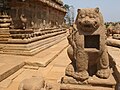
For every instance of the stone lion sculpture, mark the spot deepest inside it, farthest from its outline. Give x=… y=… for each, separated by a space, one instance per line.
x=87 y=49
x=34 y=83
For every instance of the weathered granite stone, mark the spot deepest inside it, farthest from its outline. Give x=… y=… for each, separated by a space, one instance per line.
x=113 y=42
x=32 y=14
x=87 y=50
x=93 y=83
x=110 y=29
x=116 y=36
x=34 y=83
x=116 y=29
x=113 y=30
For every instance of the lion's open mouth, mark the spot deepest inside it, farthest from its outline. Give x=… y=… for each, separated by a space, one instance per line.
x=87 y=26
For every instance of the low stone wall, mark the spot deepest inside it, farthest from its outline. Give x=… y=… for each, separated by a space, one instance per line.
x=115 y=58
x=113 y=42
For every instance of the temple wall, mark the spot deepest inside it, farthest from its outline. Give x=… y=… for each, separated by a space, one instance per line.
x=35 y=11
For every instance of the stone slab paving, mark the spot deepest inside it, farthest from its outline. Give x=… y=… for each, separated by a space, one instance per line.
x=58 y=69
x=52 y=72
x=45 y=57
x=9 y=65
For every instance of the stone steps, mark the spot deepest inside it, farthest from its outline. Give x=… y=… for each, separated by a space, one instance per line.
x=30 y=48
x=27 y=33
x=25 y=42
x=93 y=83
x=16 y=62
x=8 y=69
x=5 y=36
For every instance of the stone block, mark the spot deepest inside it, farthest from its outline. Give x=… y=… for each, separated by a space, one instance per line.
x=93 y=83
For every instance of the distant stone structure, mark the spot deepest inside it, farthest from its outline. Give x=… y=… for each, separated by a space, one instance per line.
x=113 y=34
x=113 y=30
x=110 y=29
x=87 y=51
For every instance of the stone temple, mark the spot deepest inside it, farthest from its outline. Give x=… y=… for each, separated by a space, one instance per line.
x=38 y=51
x=29 y=26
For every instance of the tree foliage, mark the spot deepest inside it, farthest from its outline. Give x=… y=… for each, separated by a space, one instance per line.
x=70 y=14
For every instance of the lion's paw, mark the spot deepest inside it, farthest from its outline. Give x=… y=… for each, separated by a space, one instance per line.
x=83 y=75
x=103 y=73
x=70 y=70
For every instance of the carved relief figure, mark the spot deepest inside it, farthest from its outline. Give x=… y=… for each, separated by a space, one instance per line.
x=87 y=49
x=23 y=20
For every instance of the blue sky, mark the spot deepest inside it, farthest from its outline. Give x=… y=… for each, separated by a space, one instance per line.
x=109 y=8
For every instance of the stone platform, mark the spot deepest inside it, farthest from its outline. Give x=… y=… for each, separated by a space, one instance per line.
x=93 y=83
x=12 y=63
x=30 y=43
x=83 y=87
x=52 y=72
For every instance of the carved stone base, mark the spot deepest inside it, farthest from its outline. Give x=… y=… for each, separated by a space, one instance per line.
x=71 y=80
x=29 y=49
x=93 y=83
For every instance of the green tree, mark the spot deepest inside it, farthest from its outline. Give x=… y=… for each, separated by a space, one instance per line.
x=69 y=17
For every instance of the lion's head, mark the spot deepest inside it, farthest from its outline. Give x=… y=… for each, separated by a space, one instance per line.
x=89 y=19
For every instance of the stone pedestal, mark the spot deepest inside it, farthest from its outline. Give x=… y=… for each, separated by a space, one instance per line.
x=90 y=64
x=93 y=83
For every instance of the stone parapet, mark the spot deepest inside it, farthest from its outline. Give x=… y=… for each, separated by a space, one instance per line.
x=115 y=56
x=54 y=5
